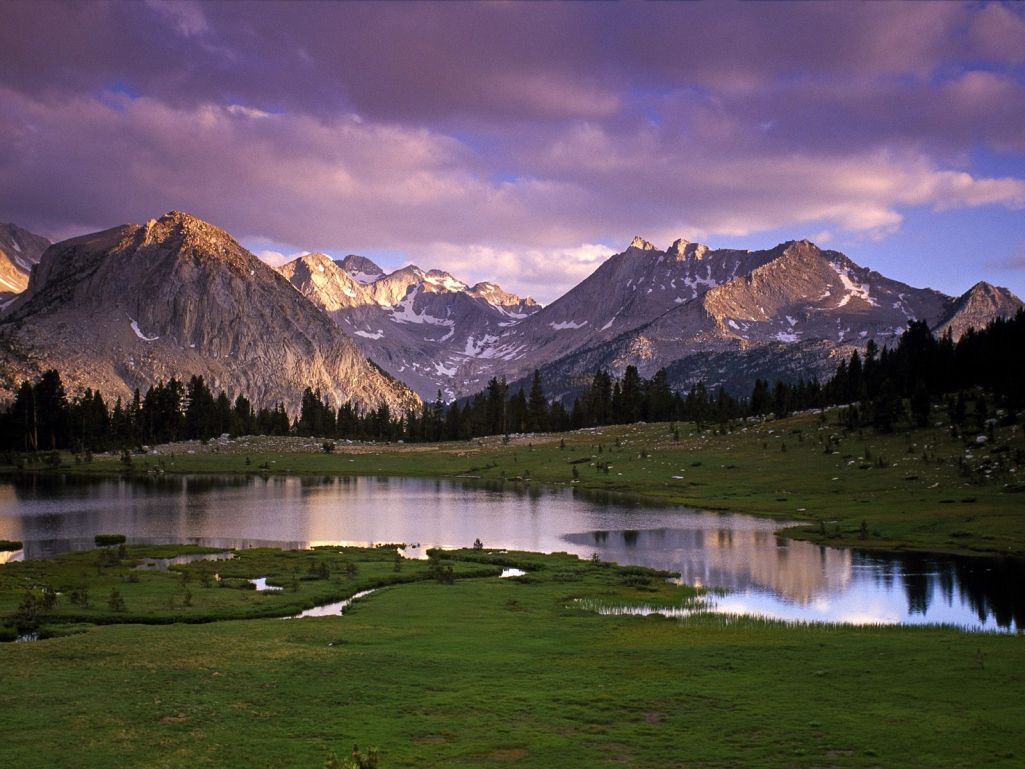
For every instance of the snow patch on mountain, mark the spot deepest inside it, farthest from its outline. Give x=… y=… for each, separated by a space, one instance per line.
x=562 y=326
x=852 y=288
x=612 y=320
x=140 y=334
x=404 y=312
x=443 y=280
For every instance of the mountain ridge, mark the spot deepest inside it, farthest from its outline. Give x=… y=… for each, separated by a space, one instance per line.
x=136 y=304
x=696 y=311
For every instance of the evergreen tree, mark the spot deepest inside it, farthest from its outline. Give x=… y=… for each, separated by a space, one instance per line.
x=537 y=406
x=760 y=400
x=631 y=397
x=51 y=411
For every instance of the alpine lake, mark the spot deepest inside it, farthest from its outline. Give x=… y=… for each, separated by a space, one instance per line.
x=747 y=569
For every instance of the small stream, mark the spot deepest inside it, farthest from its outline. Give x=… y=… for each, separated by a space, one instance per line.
x=334 y=609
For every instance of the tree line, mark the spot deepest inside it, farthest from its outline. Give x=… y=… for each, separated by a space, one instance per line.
x=882 y=388
x=890 y=387
x=43 y=418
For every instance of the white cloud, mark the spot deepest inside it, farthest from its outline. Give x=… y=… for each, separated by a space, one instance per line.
x=277 y=258
x=544 y=274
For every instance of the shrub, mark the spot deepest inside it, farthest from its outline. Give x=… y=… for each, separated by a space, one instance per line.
x=115 y=602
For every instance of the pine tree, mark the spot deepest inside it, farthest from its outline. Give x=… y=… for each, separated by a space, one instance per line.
x=537 y=406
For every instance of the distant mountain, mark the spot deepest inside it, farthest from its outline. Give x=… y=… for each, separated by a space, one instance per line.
x=976 y=307
x=360 y=268
x=19 y=253
x=787 y=312
x=797 y=292
x=133 y=305
x=426 y=328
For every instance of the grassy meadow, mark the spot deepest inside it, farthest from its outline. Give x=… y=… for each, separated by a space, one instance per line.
x=488 y=672
x=445 y=664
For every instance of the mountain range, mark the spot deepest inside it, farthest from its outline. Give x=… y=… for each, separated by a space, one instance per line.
x=129 y=306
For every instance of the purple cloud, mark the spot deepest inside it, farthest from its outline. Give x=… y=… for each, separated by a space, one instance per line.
x=515 y=142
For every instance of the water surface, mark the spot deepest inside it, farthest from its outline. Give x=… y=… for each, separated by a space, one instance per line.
x=765 y=575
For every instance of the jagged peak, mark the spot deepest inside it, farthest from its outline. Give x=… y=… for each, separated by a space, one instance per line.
x=684 y=249
x=800 y=245
x=440 y=279
x=187 y=228
x=178 y=217
x=355 y=261
x=984 y=291
x=409 y=269
x=804 y=250
x=640 y=243
x=495 y=294
x=183 y=220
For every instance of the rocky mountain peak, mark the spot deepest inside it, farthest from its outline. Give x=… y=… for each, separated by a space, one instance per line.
x=496 y=295
x=323 y=281
x=982 y=287
x=683 y=249
x=976 y=307
x=133 y=305
x=310 y=264
x=189 y=237
x=640 y=243
x=439 y=280
x=183 y=225
x=800 y=248
x=361 y=268
x=317 y=259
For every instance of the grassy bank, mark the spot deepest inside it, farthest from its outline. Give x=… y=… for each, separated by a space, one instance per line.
x=198 y=591
x=924 y=490
x=488 y=672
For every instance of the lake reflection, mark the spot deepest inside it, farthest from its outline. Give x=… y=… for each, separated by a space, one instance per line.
x=766 y=575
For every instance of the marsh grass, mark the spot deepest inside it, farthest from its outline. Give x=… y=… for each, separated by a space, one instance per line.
x=202 y=591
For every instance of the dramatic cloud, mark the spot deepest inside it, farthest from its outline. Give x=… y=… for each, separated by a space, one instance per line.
x=516 y=142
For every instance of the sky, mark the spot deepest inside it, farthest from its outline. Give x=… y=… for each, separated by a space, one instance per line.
x=524 y=143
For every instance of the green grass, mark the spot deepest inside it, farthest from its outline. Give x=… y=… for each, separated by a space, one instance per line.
x=206 y=591
x=917 y=491
x=490 y=672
